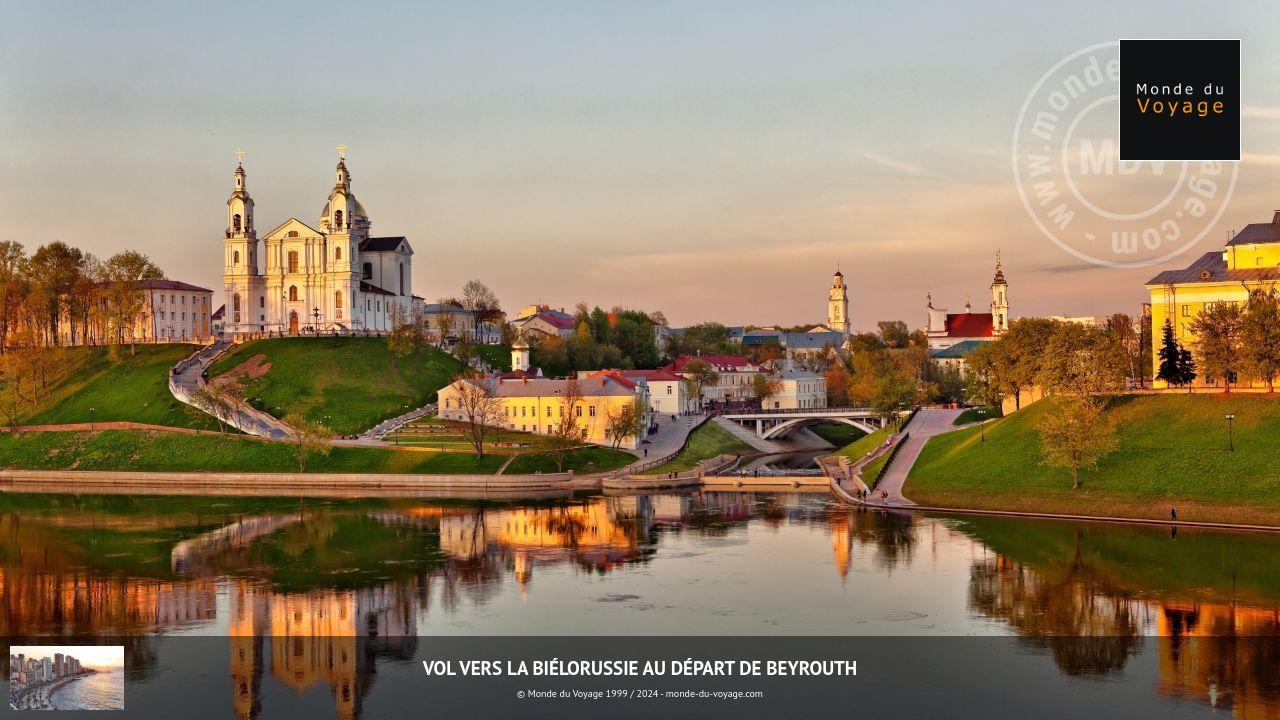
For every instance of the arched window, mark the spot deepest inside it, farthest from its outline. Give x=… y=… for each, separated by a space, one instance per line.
x=368 y=271
x=235 y=222
x=337 y=299
x=337 y=253
x=293 y=261
x=235 y=257
x=401 y=278
x=293 y=293
x=235 y=302
x=337 y=219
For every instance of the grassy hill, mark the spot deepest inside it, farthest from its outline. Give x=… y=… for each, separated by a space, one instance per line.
x=347 y=384
x=1171 y=451
x=706 y=442
x=132 y=388
x=148 y=451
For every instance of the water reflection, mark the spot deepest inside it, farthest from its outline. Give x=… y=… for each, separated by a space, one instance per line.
x=316 y=594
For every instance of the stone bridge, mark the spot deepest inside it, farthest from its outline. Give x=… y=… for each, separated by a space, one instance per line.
x=773 y=424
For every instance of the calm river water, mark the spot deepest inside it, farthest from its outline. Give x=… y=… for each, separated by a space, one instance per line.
x=709 y=563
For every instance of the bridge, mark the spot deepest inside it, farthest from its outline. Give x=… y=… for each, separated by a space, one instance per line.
x=772 y=424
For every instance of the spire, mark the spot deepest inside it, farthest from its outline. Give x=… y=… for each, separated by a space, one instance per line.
x=999 y=279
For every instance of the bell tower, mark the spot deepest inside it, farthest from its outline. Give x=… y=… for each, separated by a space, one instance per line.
x=838 y=305
x=241 y=242
x=999 y=301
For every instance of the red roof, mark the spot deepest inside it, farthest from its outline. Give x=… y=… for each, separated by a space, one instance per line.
x=969 y=325
x=613 y=375
x=719 y=362
x=658 y=375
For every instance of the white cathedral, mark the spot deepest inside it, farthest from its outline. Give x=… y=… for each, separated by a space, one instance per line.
x=336 y=278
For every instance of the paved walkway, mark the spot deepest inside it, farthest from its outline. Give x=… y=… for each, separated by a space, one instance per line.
x=926 y=423
x=188 y=376
x=669 y=438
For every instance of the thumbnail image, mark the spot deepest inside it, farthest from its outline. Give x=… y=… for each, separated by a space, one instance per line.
x=66 y=677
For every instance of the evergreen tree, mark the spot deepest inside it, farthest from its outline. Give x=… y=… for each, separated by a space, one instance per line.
x=1186 y=371
x=1170 y=357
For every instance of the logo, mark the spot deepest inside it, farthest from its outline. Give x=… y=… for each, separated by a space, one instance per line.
x=1078 y=191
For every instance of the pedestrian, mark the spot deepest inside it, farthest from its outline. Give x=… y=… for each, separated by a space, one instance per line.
x=1173 y=513
x=646 y=452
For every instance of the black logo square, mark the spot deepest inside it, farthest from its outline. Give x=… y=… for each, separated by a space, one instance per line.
x=1180 y=100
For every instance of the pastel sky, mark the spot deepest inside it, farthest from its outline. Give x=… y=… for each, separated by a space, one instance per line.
x=711 y=159
x=98 y=656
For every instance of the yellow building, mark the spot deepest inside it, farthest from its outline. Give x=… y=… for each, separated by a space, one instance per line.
x=1248 y=261
x=537 y=404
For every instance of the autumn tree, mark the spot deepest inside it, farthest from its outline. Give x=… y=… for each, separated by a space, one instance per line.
x=1219 y=347
x=1081 y=360
x=1076 y=435
x=837 y=377
x=764 y=387
x=124 y=274
x=698 y=376
x=624 y=421
x=210 y=401
x=1260 y=336
x=308 y=438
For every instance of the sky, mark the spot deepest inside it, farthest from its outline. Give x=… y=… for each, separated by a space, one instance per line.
x=97 y=656
x=712 y=160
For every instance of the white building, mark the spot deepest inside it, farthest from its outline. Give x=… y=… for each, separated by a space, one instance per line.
x=333 y=277
x=800 y=389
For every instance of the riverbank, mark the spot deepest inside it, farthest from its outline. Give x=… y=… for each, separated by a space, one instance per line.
x=1172 y=451
x=40 y=697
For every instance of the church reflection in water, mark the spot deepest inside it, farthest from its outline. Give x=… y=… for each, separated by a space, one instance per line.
x=297 y=608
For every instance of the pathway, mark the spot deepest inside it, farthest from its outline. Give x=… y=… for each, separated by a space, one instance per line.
x=188 y=375
x=926 y=423
x=670 y=437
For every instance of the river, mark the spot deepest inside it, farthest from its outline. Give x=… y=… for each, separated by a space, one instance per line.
x=702 y=563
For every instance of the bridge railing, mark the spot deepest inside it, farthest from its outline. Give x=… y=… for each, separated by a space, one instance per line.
x=802 y=411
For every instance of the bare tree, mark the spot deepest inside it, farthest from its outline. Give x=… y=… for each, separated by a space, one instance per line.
x=624 y=422
x=566 y=433
x=214 y=403
x=479 y=408
x=481 y=302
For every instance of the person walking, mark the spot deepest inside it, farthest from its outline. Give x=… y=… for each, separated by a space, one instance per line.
x=1173 y=514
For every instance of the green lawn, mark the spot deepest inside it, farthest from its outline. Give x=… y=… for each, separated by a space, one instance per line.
x=864 y=445
x=707 y=441
x=159 y=452
x=1171 y=451
x=347 y=384
x=498 y=356
x=89 y=386
x=838 y=434
x=972 y=415
x=873 y=467
x=585 y=460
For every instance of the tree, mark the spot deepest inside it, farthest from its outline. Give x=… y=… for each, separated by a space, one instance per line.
x=1075 y=435
x=894 y=333
x=764 y=387
x=13 y=288
x=214 y=403
x=481 y=302
x=309 y=438
x=894 y=391
x=981 y=383
x=698 y=375
x=1081 y=360
x=837 y=385
x=126 y=297
x=479 y=407
x=1186 y=367
x=1170 y=356
x=627 y=420
x=565 y=433
x=54 y=270
x=1260 y=336
x=1219 y=349
x=1120 y=327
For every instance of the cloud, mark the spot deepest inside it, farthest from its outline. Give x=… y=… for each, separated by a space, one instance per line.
x=1259 y=111
x=900 y=165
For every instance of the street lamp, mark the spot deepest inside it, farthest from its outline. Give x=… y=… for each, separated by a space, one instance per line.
x=315 y=326
x=1231 y=445
x=982 y=426
x=91 y=419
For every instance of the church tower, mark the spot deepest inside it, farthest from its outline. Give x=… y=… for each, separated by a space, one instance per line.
x=838 y=306
x=999 y=301
x=240 y=248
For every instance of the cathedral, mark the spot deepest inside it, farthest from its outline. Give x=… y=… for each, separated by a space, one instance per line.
x=334 y=277
x=964 y=330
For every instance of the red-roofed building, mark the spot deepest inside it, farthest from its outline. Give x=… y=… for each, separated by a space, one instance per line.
x=666 y=389
x=946 y=329
x=545 y=320
x=734 y=384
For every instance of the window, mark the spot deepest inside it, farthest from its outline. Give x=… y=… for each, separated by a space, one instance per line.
x=235 y=222
x=591 y=411
x=293 y=293
x=1186 y=311
x=337 y=299
x=235 y=258
x=337 y=219
x=367 y=271
x=548 y=411
x=401 y=278
x=262 y=301
x=579 y=410
x=293 y=261
x=235 y=302
x=337 y=253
